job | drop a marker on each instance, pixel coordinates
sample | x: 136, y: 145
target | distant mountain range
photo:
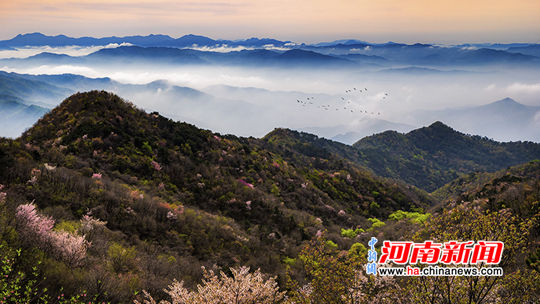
x: 173, y: 56
x: 38, y: 39
x: 17, y: 116
x: 163, y: 47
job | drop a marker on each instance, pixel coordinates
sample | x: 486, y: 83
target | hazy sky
x: 298, y: 20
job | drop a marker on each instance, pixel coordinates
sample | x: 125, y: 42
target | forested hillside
x: 157, y: 199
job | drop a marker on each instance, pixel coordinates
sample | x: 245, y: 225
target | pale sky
x: 298, y: 20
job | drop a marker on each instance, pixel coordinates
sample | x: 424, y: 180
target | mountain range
x: 189, y: 195
x: 166, y: 48
x: 428, y: 157
x: 38, y: 39
x: 166, y: 197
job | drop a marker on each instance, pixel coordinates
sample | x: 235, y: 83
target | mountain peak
x: 506, y: 104
x: 439, y: 125
x: 506, y: 100
x: 35, y: 34
x: 84, y: 113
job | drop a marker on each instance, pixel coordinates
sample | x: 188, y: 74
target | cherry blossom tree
x: 243, y: 287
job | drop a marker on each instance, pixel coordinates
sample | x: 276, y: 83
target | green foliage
x: 473, y: 223
x: 533, y: 260
x: 358, y: 249
x: 20, y: 286
x: 122, y: 259
x: 350, y: 233
x: 331, y: 275
x: 289, y: 261
x: 331, y: 244
x: 374, y: 205
x: 432, y: 156
x: 375, y: 223
x: 68, y: 226
x: 415, y: 217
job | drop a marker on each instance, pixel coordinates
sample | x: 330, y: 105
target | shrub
x: 349, y: 233
x: 414, y: 217
x: 375, y: 223
x: 122, y: 259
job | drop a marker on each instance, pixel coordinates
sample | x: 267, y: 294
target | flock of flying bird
x: 343, y: 104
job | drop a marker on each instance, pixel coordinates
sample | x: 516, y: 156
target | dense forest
x: 103, y: 202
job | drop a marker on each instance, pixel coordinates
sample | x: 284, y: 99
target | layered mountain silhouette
x: 351, y: 50
x: 38, y: 39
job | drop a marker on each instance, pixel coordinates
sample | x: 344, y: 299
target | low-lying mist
x: 344, y: 103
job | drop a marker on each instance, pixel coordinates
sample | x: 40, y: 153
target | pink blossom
x: 171, y: 215
x: 156, y: 165
x: 33, y: 226
x: 37, y: 229
x: 329, y: 207
x: 96, y: 176
x: 243, y: 182
x: 241, y: 287
x: 248, y: 205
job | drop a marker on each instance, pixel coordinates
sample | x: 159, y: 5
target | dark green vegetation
x: 516, y: 188
x: 428, y: 157
x: 433, y: 156
x: 176, y: 197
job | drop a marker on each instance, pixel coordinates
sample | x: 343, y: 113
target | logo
x: 479, y: 254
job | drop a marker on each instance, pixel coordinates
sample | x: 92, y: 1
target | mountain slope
x: 432, y: 156
x: 29, y: 90
x: 516, y: 187
x: 428, y: 157
x: 176, y: 197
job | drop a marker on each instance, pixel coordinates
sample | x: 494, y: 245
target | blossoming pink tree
x: 38, y: 230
